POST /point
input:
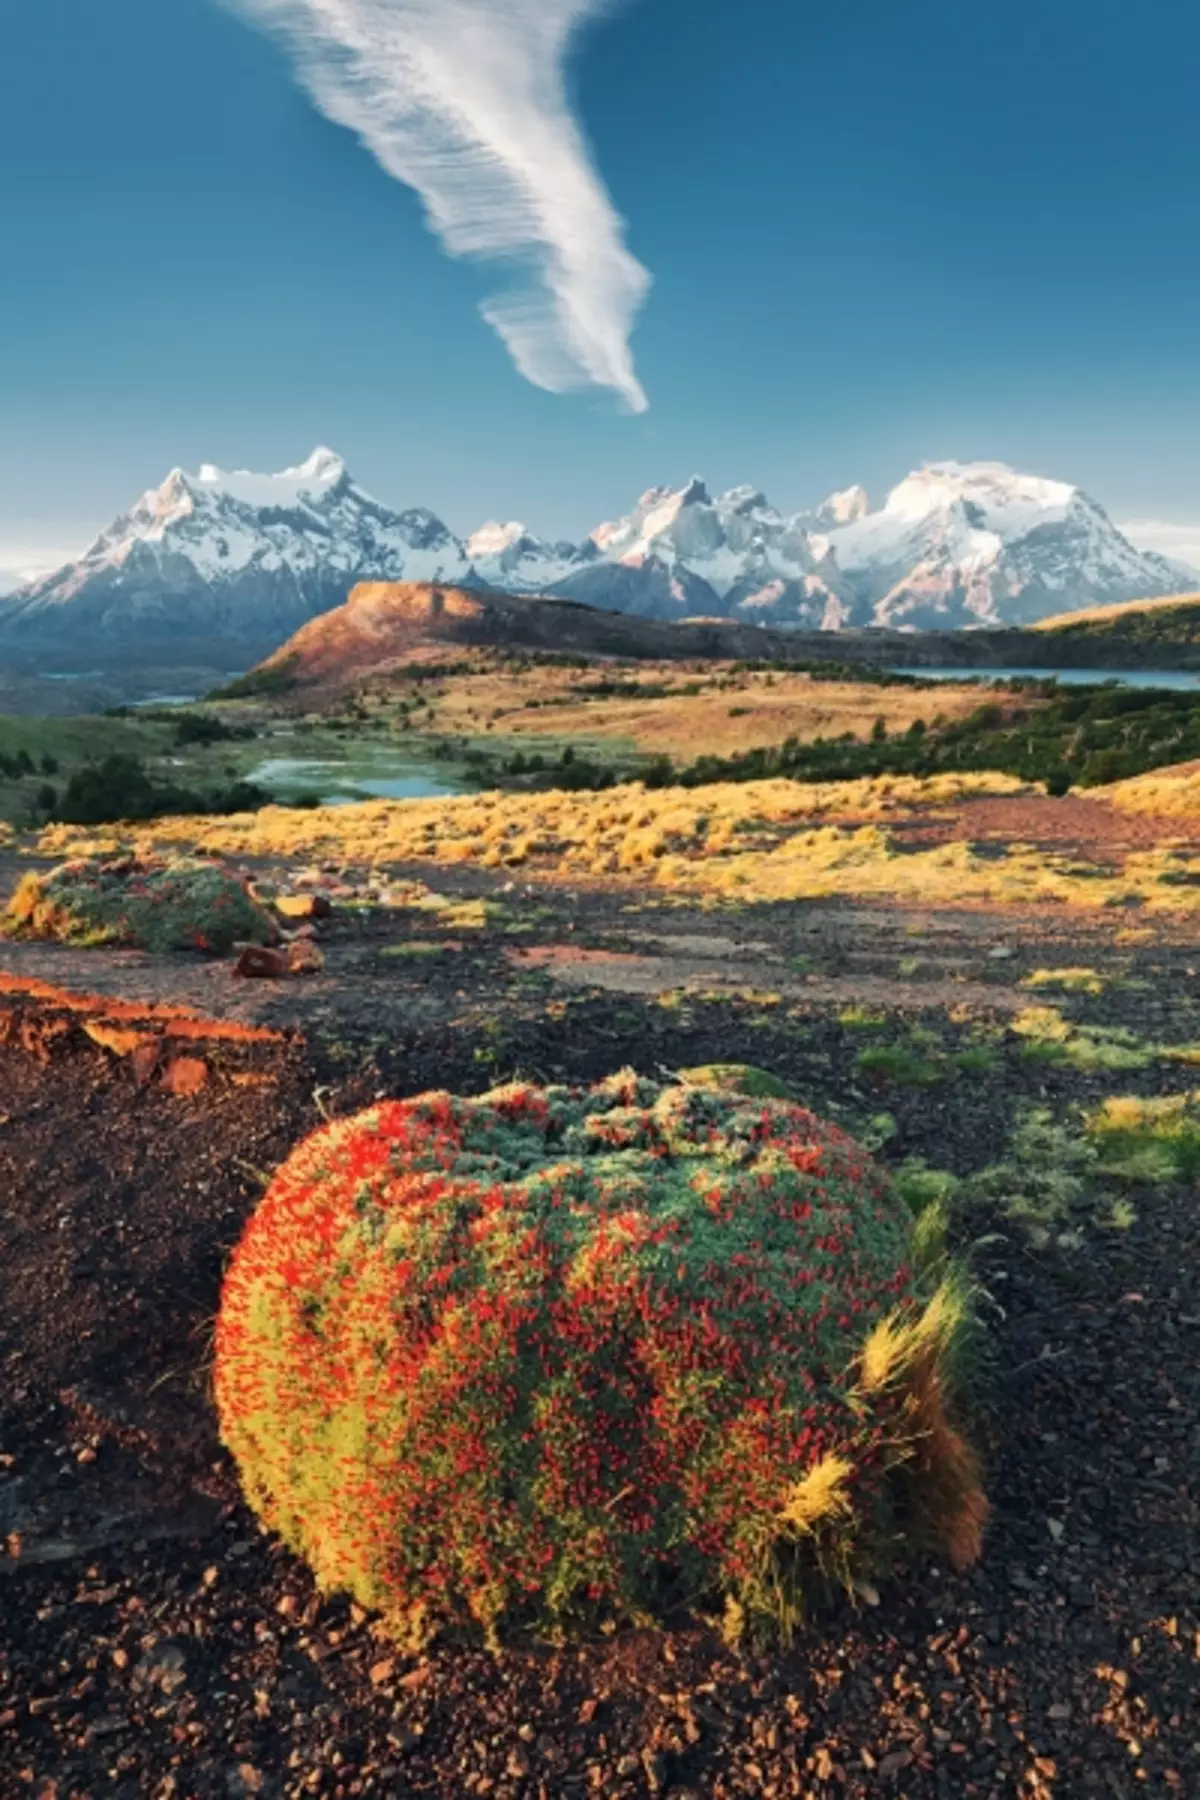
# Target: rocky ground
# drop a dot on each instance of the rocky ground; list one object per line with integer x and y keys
{"x": 153, "y": 1642}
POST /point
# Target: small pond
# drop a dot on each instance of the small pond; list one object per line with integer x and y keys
{"x": 341, "y": 784}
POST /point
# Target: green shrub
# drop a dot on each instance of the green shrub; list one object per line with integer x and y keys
{"x": 899, "y": 1066}
{"x": 1092, "y": 1049}
{"x": 1045, "y": 1184}
{"x": 141, "y": 901}
{"x": 922, "y": 1187}
{"x": 557, "y": 1358}
{"x": 119, "y": 788}
{"x": 1148, "y": 1140}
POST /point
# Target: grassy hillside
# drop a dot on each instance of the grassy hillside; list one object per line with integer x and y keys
{"x": 1145, "y": 627}
{"x": 1066, "y": 737}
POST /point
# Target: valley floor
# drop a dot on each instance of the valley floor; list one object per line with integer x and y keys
{"x": 153, "y": 1642}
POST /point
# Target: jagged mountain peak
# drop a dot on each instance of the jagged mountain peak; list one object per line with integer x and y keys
{"x": 234, "y": 553}
{"x": 992, "y": 487}
{"x": 843, "y": 507}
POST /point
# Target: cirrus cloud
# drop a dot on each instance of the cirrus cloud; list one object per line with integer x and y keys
{"x": 466, "y": 102}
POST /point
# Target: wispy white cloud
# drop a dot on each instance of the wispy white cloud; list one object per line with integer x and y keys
{"x": 1168, "y": 537}
{"x": 466, "y": 101}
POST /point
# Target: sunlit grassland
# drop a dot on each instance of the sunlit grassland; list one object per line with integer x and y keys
{"x": 740, "y": 841}
{"x": 719, "y": 712}
{"x": 1168, "y": 793}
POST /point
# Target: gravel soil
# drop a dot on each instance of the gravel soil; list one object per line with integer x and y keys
{"x": 154, "y": 1642}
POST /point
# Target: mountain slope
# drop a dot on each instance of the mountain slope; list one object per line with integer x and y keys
{"x": 384, "y": 625}
{"x": 238, "y": 556}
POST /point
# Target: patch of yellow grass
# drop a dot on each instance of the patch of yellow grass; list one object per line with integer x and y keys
{"x": 1170, "y": 793}
{"x": 1074, "y": 980}
{"x": 1045, "y": 1024}
{"x": 739, "y": 841}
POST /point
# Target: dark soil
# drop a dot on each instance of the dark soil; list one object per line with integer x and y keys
{"x": 154, "y": 1642}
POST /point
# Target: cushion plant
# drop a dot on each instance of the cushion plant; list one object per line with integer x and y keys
{"x": 143, "y": 901}
{"x": 572, "y": 1355}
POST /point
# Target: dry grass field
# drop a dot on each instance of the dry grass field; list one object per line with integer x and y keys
{"x": 711, "y": 709}
{"x": 890, "y": 838}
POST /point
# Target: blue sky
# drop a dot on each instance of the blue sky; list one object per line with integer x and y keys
{"x": 876, "y": 235}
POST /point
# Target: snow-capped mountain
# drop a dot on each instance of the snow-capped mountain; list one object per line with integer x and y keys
{"x": 961, "y": 544}
{"x": 246, "y": 558}
{"x": 681, "y": 553}
{"x": 955, "y": 544}
{"x": 509, "y": 557}
{"x": 232, "y": 555}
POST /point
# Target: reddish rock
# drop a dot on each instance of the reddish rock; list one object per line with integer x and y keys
{"x": 145, "y": 1058}
{"x": 257, "y": 963}
{"x": 185, "y": 1075}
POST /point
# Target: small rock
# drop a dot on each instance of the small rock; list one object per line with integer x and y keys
{"x": 245, "y": 1779}
{"x": 164, "y": 1666}
{"x": 256, "y": 963}
{"x": 145, "y": 1059}
{"x": 313, "y": 905}
{"x": 304, "y": 958}
{"x": 185, "y": 1075}
{"x": 656, "y": 1770}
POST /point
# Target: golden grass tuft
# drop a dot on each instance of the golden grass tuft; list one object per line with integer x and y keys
{"x": 821, "y": 1496}
{"x": 901, "y": 1340}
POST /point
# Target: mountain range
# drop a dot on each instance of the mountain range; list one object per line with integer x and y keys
{"x": 246, "y": 559}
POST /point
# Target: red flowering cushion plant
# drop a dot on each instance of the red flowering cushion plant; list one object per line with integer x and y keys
{"x": 568, "y": 1355}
